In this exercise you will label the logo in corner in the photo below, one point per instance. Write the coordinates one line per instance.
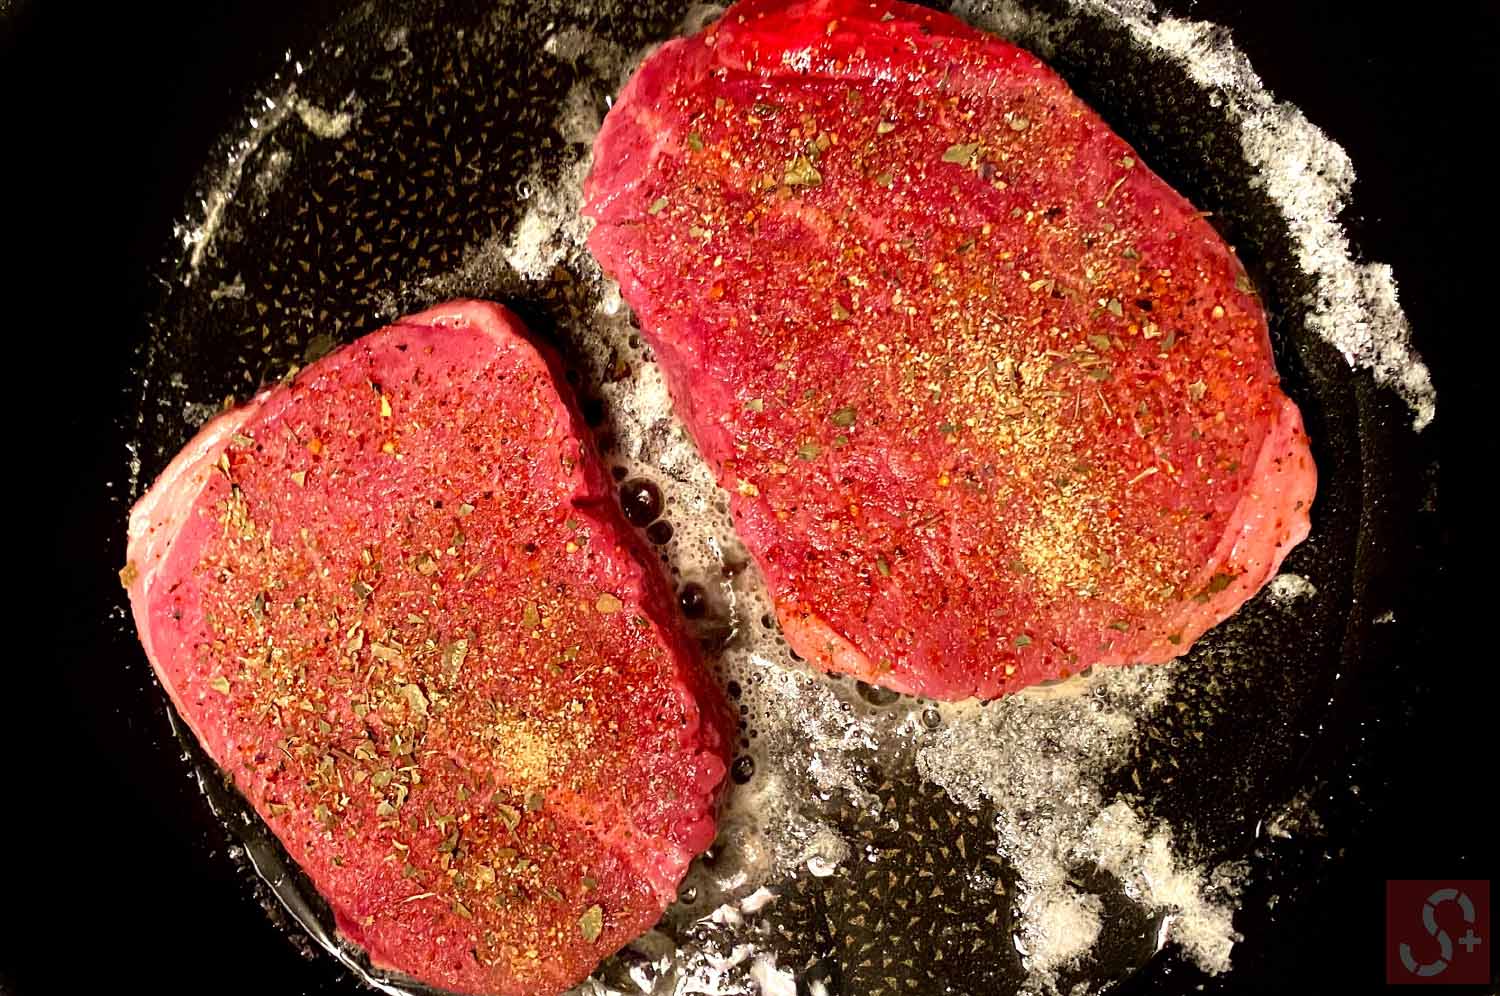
(1437, 932)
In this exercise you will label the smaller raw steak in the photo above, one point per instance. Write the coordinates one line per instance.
(993, 402)
(396, 601)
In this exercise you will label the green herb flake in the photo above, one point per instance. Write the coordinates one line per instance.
(416, 702)
(656, 206)
(591, 924)
(530, 618)
(961, 153)
(607, 604)
(843, 417)
(885, 180)
(219, 683)
(453, 655)
(1169, 340)
(695, 141)
(883, 566)
(1022, 641)
(1099, 342)
(1218, 583)
(802, 173)
(318, 347)
(1099, 373)
(1120, 625)
(809, 451)
(535, 801)
(509, 815)
(756, 405)
(840, 313)
(885, 127)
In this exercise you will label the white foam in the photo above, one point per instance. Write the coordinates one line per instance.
(1120, 842)
(324, 124)
(772, 981)
(1062, 926)
(1287, 588)
(1041, 760)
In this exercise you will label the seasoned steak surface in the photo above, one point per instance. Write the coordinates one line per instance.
(993, 402)
(395, 601)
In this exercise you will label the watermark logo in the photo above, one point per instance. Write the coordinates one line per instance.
(1437, 932)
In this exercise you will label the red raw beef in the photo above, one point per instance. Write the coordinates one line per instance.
(396, 602)
(993, 402)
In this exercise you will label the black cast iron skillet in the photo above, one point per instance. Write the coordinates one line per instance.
(127, 883)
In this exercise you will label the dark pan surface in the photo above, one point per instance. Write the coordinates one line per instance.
(322, 238)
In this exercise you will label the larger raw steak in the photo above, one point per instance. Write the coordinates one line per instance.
(994, 403)
(396, 602)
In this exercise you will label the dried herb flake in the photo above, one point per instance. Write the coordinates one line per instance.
(960, 153)
(591, 924)
(802, 173)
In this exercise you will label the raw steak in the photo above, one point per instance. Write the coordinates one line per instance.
(993, 402)
(396, 602)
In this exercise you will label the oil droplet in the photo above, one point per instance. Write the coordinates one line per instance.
(694, 601)
(743, 769)
(642, 501)
(659, 532)
(876, 696)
